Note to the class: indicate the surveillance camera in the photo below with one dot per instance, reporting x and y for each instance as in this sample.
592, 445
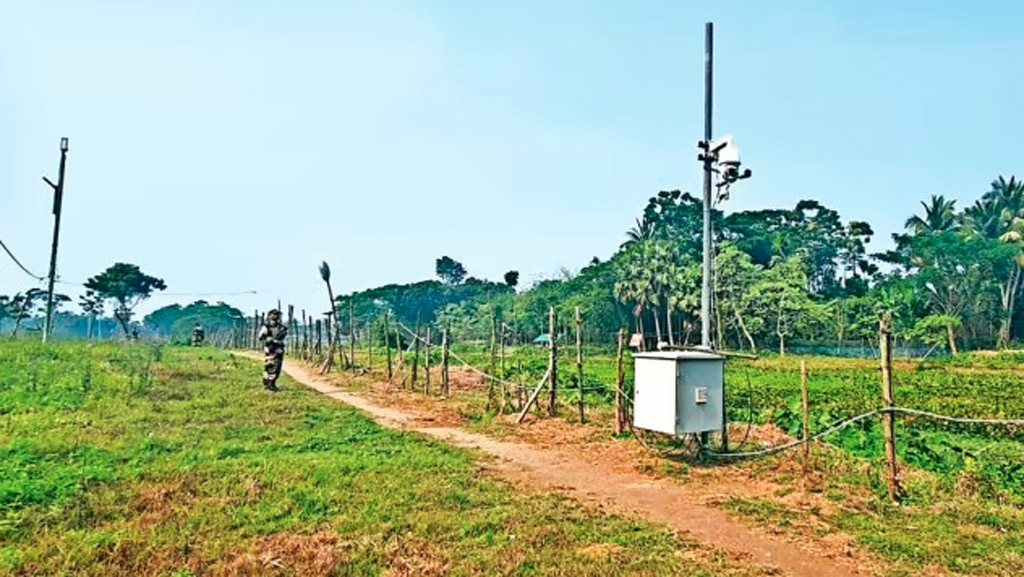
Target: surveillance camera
729, 156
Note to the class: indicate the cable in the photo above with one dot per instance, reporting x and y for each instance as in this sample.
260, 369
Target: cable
835, 427
966, 421
18, 262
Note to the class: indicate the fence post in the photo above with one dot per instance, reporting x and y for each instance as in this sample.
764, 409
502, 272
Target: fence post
401, 356
416, 354
387, 346
255, 328
553, 361
263, 319
619, 383
579, 359
501, 357
319, 338
804, 399
327, 329
444, 364
352, 333
291, 318
369, 346
889, 418
494, 336
305, 337
426, 386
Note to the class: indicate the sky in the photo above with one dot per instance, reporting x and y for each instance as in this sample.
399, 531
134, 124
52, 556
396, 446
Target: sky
229, 146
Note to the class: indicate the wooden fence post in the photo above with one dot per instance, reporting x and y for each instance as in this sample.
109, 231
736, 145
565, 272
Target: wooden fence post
387, 345
553, 362
263, 319
327, 329
494, 343
369, 346
352, 333
619, 383
426, 386
319, 338
444, 364
805, 402
305, 336
255, 328
291, 318
889, 418
579, 359
501, 373
416, 354
401, 356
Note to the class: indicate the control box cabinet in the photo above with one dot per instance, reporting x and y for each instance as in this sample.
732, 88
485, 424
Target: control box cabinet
678, 392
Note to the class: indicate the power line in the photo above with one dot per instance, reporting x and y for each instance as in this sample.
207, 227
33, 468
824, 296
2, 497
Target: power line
18, 262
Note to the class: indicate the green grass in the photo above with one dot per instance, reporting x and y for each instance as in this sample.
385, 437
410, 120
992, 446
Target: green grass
119, 459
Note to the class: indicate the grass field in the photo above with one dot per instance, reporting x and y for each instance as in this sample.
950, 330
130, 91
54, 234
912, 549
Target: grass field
120, 459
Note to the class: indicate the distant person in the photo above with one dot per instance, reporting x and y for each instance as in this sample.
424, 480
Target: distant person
198, 335
272, 335
135, 334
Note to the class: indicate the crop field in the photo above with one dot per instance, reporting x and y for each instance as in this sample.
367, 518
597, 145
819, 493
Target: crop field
963, 483
767, 390
149, 460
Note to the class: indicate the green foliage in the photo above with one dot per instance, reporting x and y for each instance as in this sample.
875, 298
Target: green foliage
125, 285
450, 271
175, 322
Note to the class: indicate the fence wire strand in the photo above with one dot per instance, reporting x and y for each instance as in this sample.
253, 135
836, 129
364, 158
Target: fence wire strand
843, 423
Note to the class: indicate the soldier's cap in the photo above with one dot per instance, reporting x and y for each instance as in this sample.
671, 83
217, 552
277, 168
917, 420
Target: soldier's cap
273, 312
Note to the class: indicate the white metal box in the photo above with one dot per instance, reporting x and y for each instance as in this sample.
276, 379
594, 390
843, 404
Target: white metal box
678, 392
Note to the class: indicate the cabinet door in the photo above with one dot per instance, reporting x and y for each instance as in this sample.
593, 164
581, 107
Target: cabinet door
654, 396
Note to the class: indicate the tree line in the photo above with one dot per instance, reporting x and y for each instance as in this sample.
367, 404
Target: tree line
803, 274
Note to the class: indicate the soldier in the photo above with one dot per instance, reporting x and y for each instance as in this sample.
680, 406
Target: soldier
272, 334
198, 335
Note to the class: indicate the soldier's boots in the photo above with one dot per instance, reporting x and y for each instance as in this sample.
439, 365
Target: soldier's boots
270, 385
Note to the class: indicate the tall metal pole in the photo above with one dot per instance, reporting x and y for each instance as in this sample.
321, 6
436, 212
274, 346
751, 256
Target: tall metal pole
705, 296
58, 198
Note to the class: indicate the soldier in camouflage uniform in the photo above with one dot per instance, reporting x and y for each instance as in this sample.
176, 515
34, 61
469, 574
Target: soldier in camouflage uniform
272, 335
198, 335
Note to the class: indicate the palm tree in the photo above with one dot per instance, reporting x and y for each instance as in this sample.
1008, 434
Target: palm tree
1000, 215
645, 229
638, 283
939, 215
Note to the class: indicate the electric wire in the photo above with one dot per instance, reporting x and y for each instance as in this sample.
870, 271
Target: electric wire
18, 262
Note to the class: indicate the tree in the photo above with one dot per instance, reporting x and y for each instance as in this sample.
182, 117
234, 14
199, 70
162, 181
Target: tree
735, 275
24, 306
999, 215
92, 306
450, 271
939, 216
512, 279
951, 271
781, 297
125, 285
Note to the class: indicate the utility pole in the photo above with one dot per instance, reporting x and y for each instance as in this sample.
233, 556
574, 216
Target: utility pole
705, 295
58, 198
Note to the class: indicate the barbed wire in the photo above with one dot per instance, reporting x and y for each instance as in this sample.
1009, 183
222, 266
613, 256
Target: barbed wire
843, 423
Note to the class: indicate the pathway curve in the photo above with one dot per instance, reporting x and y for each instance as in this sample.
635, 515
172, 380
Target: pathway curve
631, 494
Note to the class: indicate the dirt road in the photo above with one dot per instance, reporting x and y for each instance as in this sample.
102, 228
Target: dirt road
632, 494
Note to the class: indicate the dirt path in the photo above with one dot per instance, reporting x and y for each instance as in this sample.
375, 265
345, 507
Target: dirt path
626, 493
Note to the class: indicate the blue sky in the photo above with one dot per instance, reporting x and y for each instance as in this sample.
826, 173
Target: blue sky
231, 145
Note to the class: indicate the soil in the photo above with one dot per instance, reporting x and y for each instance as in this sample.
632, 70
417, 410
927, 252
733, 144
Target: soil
585, 463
